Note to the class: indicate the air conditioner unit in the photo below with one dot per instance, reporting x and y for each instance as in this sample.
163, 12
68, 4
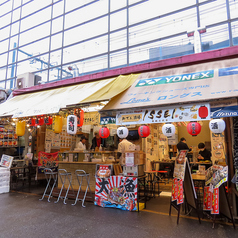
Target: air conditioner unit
25, 80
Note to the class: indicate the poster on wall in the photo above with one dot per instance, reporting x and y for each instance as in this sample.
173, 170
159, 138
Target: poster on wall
103, 170
47, 160
191, 112
6, 161
117, 192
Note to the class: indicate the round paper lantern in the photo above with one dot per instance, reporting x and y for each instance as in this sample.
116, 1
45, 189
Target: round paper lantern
20, 128
57, 124
193, 128
217, 125
48, 120
168, 130
39, 121
122, 132
71, 124
203, 112
104, 132
144, 131
80, 115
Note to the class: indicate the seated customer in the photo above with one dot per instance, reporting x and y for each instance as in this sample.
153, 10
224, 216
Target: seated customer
203, 154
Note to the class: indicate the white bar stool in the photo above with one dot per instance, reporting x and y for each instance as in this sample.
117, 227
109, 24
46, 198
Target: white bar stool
64, 176
80, 174
49, 175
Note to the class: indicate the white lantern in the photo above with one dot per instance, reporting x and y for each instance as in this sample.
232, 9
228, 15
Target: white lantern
217, 125
71, 124
168, 130
122, 132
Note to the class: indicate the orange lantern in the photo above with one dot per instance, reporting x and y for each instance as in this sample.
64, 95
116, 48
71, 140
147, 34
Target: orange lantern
20, 128
80, 116
104, 132
57, 124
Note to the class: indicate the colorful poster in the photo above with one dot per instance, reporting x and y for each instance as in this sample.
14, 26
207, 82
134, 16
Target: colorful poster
180, 192
47, 160
6, 161
103, 170
215, 201
174, 189
117, 192
179, 166
207, 200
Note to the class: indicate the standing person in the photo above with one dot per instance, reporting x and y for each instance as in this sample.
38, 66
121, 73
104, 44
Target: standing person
123, 147
203, 154
182, 145
82, 143
97, 141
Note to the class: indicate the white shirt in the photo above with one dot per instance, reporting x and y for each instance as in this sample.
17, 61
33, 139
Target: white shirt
81, 146
123, 147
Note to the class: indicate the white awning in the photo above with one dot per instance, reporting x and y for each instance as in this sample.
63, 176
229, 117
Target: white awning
51, 101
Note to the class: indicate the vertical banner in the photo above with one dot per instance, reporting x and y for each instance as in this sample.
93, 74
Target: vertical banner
175, 189
207, 200
215, 201
117, 192
180, 192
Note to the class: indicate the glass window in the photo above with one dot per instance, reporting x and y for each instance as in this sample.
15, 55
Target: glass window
11, 71
2, 75
58, 9
35, 19
234, 28
27, 9
13, 42
55, 58
163, 27
233, 8
162, 49
213, 12
35, 34
24, 67
118, 59
115, 4
215, 38
56, 41
4, 33
118, 40
16, 14
85, 49
72, 4
16, 4
5, 20
3, 59
118, 20
15, 28
85, 31
33, 49
4, 45
10, 83
87, 13
140, 13
55, 74
6, 7
57, 25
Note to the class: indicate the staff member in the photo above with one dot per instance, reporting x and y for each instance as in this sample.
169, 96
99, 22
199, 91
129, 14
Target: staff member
123, 147
203, 154
82, 143
182, 145
97, 141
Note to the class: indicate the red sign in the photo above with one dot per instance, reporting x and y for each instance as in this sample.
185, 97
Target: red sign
207, 199
215, 201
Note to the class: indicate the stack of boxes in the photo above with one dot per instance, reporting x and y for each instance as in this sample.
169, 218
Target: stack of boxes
4, 180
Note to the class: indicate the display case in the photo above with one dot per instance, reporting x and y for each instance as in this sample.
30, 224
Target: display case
8, 138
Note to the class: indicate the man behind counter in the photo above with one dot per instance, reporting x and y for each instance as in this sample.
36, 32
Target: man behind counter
97, 141
203, 154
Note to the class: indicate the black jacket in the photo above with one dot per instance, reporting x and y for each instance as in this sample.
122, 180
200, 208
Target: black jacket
182, 146
94, 143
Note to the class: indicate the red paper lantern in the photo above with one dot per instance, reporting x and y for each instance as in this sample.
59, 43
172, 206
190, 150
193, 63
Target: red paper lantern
203, 112
48, 120
40, 121
193, 128
80, 116
144, 131
104, 132
32, 122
